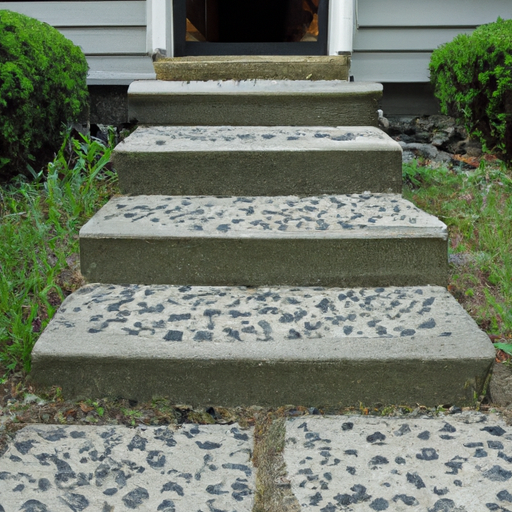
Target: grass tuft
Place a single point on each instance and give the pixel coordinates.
(476, 205)
(40, 220)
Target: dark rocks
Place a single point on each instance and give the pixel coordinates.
(434, 138)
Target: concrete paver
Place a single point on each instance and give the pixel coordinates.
(254, 102)
(459, 463)
(49, 468)
(243, 67)
(450, 463)
(257, 160)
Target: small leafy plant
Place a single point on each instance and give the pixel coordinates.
(472, 77)
(506, 347)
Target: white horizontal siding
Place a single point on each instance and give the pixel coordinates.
(112, 34)
(394, 39)
(431, 13)
(83, 14)
(390, 67)
(108, 40)
(401, 39)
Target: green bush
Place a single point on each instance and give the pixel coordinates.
(42, 87)
(472, 77)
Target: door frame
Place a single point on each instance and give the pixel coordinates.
(189, 48)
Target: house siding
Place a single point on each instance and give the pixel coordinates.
(112, 34)
(393, 39)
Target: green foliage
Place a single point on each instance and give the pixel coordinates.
(472, 77)
(42, 88)
(415, 175)
(39, 224)
(506, 347)
(476, 205)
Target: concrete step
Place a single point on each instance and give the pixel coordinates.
(257, 160)
(235, 346)
(252, 67)
(254, 103)
(343, 240)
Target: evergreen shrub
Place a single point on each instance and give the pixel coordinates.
(472, 77)
(42, 89)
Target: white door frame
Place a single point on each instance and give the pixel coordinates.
(339, 37)
(340, 33)
(159, 26)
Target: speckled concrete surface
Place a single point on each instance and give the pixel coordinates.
(195, 468)
(253, 87)
(254, 315)
(201, 139)
(222, 345)
(457, 463)
(451, 463)
(343, 216)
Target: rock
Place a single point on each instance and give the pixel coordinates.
(383, 122)
(461, 259)
(435, 138)
(403, 137)
(500, 387)
(427, 151)
(423, 137)
(439, 131)
(473, 148)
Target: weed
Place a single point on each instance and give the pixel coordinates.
(273, 490)
(506, 347)
(132, 415)
(39, 232)
(476, 205)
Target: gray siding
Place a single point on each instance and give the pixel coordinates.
(112, 34)
(393, 39)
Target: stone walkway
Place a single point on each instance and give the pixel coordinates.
(457, 463)
(52, 468)
(460, 463)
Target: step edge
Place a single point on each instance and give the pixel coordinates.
(143, 88)
(373, 147)
(468, 344)
(377, 233)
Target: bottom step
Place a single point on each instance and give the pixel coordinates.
(265, 346)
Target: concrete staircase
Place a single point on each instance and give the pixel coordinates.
(262, 255)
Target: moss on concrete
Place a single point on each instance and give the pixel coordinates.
(247, 67)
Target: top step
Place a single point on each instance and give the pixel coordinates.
(254, 103)
(253, 67)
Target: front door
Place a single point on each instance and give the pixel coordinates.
(250, 27)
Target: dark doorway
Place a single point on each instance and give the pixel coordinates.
(250, 27)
